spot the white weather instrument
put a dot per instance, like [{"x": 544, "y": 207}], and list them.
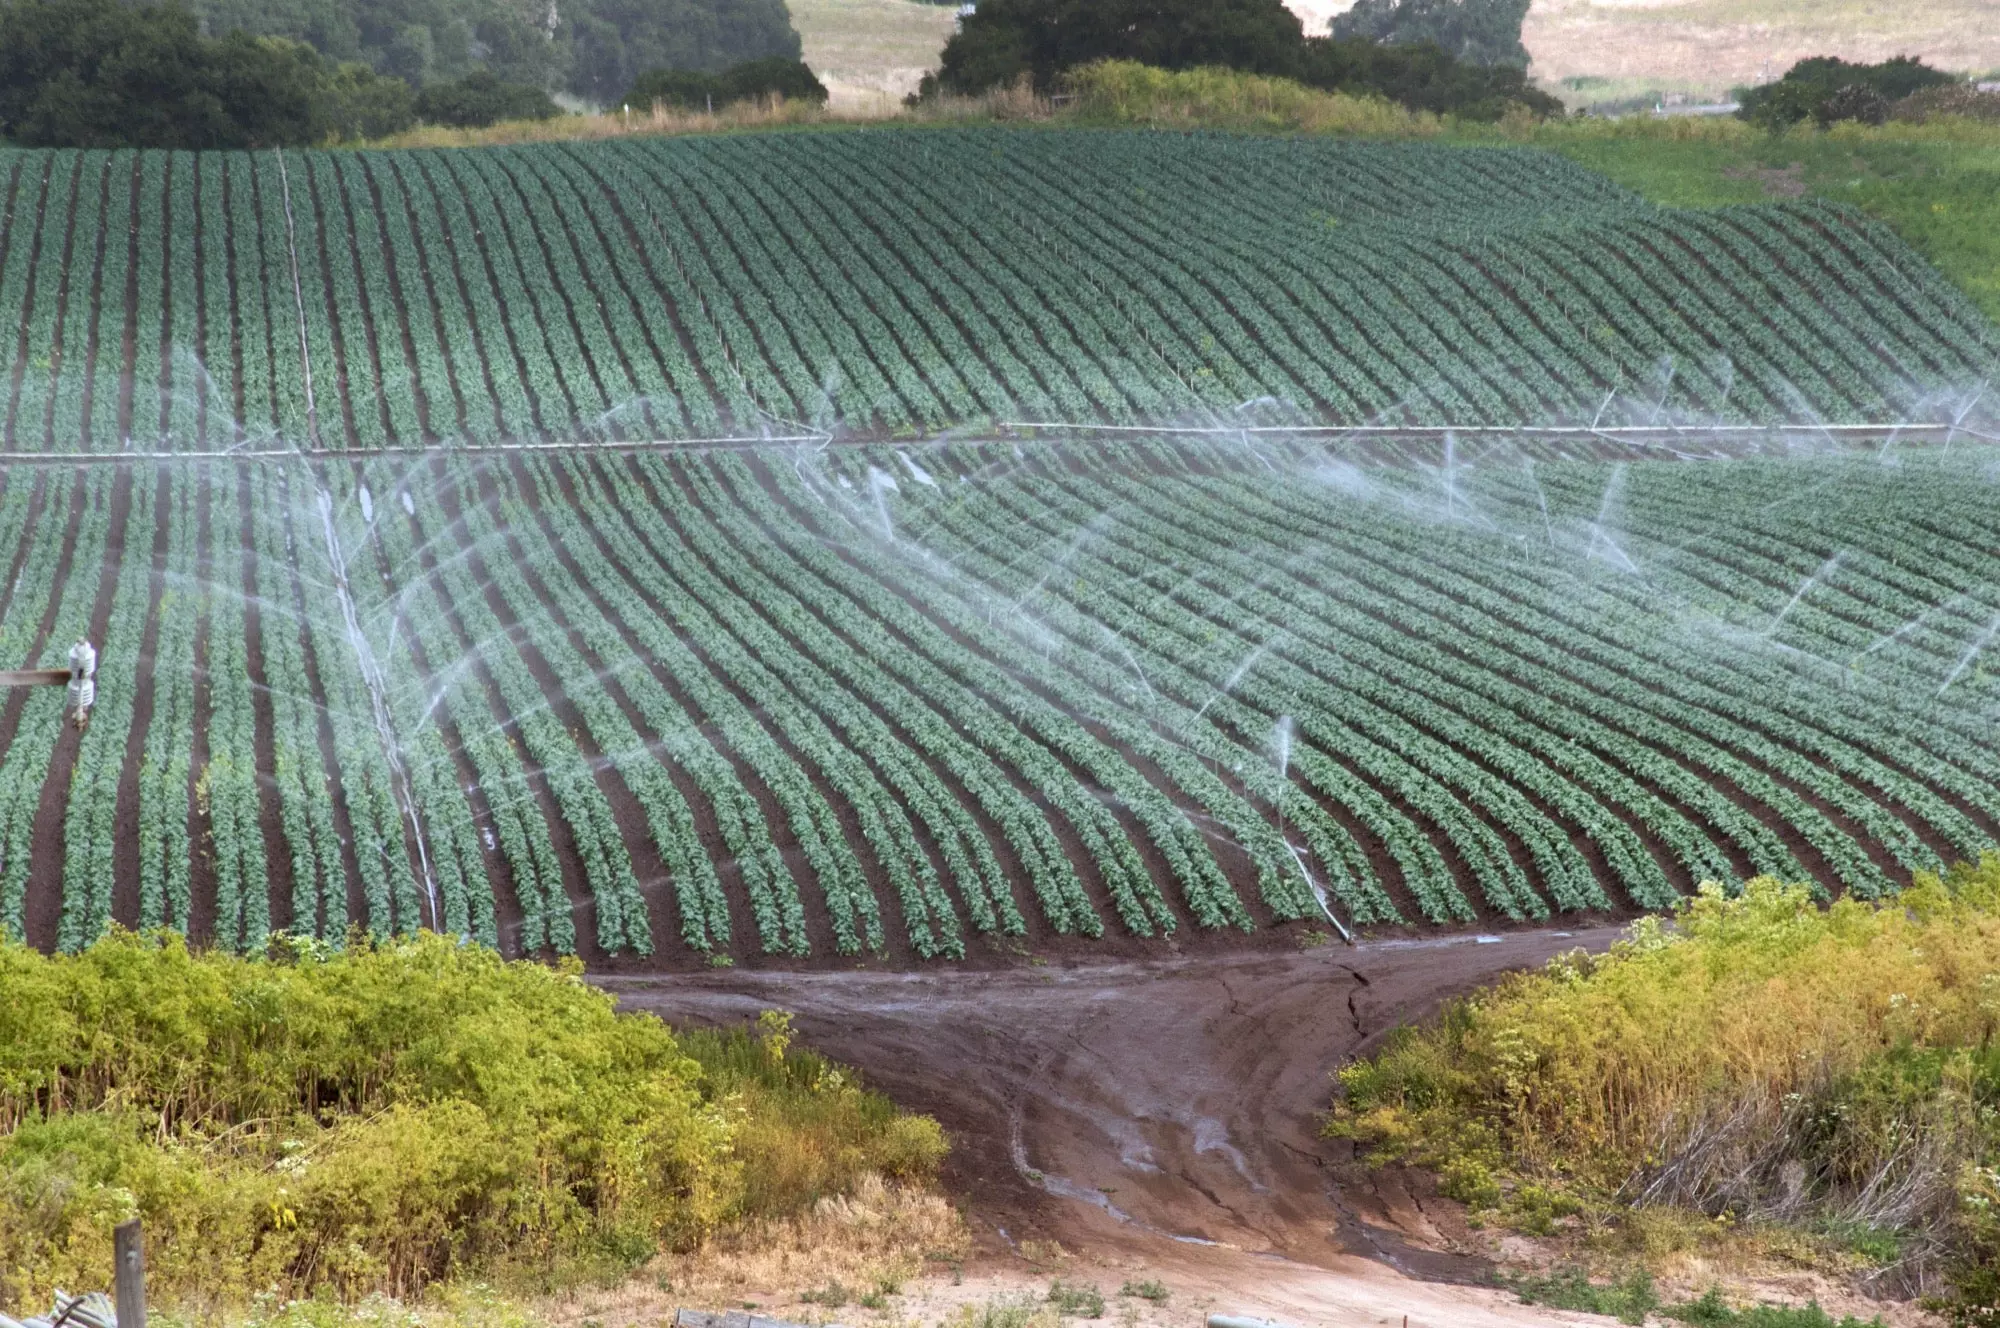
[{"x": 80, "y": 678}]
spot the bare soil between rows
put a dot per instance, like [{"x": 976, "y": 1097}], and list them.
[{"x": 1118, "y": 1105}]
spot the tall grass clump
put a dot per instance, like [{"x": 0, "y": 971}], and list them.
[
  {"x": 1831, "y": 1072},
  {"x": 1129, "y": 93},
  {"x": 376, "y": 1118}
]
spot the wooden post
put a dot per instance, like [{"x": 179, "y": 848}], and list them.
[{"x": 129, "y": 1274}]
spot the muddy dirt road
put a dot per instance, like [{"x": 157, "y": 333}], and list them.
[{"x": 1115, "y": 1106}]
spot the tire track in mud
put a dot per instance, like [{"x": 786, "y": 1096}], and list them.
[{"x": 1104, "y": 1104}]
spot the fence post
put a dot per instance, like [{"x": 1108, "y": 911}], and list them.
[{"x": 129, "y": 1274}]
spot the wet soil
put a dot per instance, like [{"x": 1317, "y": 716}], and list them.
[{"x": 1121, "y": 1104}]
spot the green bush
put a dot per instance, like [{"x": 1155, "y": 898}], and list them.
[
  {"x": 480, "y": 99},
  {"x": 380, "y": 1117},
  {"x": 1827, "y": 90},
  {"x": 691, "y": 90},
  {"x": 1076, "y": 1300}
]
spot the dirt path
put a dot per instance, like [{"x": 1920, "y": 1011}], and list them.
[{"x": 1157, "y": 1113}]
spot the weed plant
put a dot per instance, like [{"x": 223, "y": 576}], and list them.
[
  {"x": 375, "y": 1118},
  {"x": 1758, "y": 1061}
]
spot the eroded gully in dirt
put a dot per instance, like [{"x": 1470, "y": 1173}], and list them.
[{"x": 1120, "y": 1105}]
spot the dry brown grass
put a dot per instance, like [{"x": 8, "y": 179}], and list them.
[
  {"x": 870, "y": 53},
  {"x": 875, "y": 1239},
  {"x": 1709, "y": 46},
  {"x": 1008, "y": 104}
]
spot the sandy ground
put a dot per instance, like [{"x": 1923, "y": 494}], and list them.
[
  {"x": 1155, "y": 1120},
  {"x": 871, "y": 52}
]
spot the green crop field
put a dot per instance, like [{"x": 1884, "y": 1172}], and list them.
[
  {"x": 894, "y": 283},
  {"x": 917, "y": 685},
  {"x": 915, "y": 701}
]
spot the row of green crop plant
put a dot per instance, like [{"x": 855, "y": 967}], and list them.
[
  {"x": 867, "y": 699},
  {"x": 903, "y": 283}
]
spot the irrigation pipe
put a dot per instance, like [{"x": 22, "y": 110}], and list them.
[
  {"x": 1638, "y": 435},
  {"x": 366, "y": 453},
  {"x": 1530, "y": 430}
]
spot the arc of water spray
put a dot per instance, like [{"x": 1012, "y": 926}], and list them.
[
  {"x": 1914, "y": 623},
  {"x": 1984, "y": 640},
  {"x": 372, "y": 678},
  {"x": 1826, "y": 569},
  {"x": 1959, "y": 419},
  {"x": 1229, "y": 683},
  {"x": 1281, "y": 750}
]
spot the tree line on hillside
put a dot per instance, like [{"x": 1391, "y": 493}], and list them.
[
  {"x": 1462, "y": 57},
  {"x": 105, "y": 73},
  {"x": 590, "y": 49},
  {"x": 101, "y": 73}
]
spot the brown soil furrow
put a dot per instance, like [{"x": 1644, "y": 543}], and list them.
[
  {"x": 374, "y": 381},
  {"x": 72, "y": 519},
  {"x": 93, "y": 323},
  {"x": 145, "y": 684},
  {"x": 45, "y": 852},
  {"x": 1088, "y": 871},
  {"x": 311, "y": 647},
  {"x": 38, "y": 481},
  {"x": 59, "y": 350},
  {"x": 484, "y": 262},
  {"x": 315, "y": 268},
  {"x": 499, "y": 872},
  {"x": 742, "y": 922},
  {"x": 129, "y": 336},
  {"x": 18, "y": 372},
  {"x": 163, "y": 385},
  {"x": 278, "y": 861},
  {"x": 393, "y": 280},
  {"x": 575, "y": 888},
  {"x": 200, "y": 921},
  {"x": 238, "y": 279}
]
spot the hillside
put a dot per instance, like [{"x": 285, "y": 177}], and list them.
[
  {"x": 888, "y": 283},
  {"x": 861, "y": 690}
]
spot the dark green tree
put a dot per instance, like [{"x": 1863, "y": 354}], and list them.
[
  {"x": 97, "y": 73},
  {"x": 592, "y": 48},
  {"x": 1480, "y": 32},
  {"x": 1422, "y": 77},
  {"x": 481, "y": 99},
  {"x": 363, "y": 104},
  {"x": 1825, "y": 89},
  {"x": 1005, "y": 39},
  {"x": 693, "y": 91}
]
